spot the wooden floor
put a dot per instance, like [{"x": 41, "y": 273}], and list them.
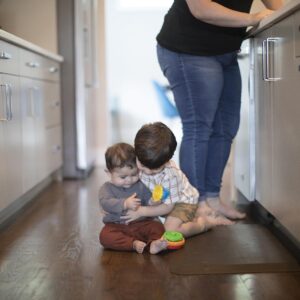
[{"x": 51, "y": 251}]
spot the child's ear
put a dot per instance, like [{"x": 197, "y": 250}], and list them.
[{"x": 107, "y": 172}]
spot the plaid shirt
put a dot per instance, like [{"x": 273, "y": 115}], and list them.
[{"x": 174, "y": 180}]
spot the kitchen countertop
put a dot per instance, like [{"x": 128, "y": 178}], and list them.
[
  {"x": 278, "y": 15},
  {"x": 8, "y": 37}
]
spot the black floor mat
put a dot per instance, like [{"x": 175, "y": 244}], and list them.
[{"x": 236, "y": 249}]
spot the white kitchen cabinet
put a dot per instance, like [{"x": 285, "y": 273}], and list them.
[
  {"x": 41, "y": 111},
  {"x": 286, "y": 126},
  {"x": 277, "y": 121},
  {"x": 52, "y": 104},
  {"x": 263, "y": 122},
  {"x": 10, "y": 139},
  {"x": 33, "y": 132},
  {"x": 30, "y": 124}
]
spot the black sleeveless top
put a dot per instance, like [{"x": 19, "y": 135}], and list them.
[{"x": 182, "y": 32}]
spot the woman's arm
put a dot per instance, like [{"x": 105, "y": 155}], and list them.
[
  {"x": 273, "y": 4},
  {"x": 217, "y": 14}
]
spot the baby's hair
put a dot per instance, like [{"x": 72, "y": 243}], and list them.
[
  {"x": 154, "y": 145},
  {"x": 120, "y": 155}
]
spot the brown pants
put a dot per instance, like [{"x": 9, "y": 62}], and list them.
[{"x": 121, "y": 236}]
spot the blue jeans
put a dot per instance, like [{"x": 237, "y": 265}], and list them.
[{"x": 207, "y": 92}]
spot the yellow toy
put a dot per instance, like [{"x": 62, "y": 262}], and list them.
[{"x": 159, "y": 193}]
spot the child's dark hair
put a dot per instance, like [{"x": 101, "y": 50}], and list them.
[
  {"x": 154, "y": 145},
  {"x": 120, "y": 155}
]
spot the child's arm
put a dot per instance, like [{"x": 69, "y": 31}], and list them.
[
  {"x": 148, "y": 211},
  {"x": 112, "y": 204}
]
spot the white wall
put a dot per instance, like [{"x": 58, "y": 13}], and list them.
[
  {"x": 32, "y": 20},
  {"x": 132, "y": 64}
]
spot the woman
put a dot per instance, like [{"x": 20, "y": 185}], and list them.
[{"x": 197, "y": 52}]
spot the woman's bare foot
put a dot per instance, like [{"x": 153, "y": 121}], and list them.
[
  {"x": 225, "y": 209},
  {"x": 218, "y": 220},
  {"x": 158, "y": 245},
  {"x": 205, "y": 210},
  {"x": 138, "y": 246},
  {"x": 213, "y": 221}
]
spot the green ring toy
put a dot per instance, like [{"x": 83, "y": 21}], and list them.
[{"x": 175, "y": 239}]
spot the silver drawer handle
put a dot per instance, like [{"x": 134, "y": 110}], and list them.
[
  {"x": 32, "y": 64},
  {"x": 266, "y": 44},
  {"x": 8, "y": 104},
  {"x": 53, "y": 69},
  {"x": 5, "y": 55}
]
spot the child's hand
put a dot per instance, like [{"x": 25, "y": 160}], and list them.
[
  {"x": 132, "y": 202},
  {"x": 132, "y": 215}
]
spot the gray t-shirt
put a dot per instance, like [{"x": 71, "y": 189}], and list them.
[{"x": 111, "y": 199}]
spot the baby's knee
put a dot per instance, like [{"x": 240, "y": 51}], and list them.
[{"x": 104, "y": 238}]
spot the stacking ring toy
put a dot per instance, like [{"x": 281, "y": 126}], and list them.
[
  {"x": 175, "y": 239},
  {"x": 159, "y": 193}
]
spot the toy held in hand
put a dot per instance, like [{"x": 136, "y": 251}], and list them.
[
  {"x": 175, "y": 239},
  {"x": 159, "y": 193}
]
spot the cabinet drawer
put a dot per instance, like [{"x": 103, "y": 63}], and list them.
[
  {"x": 9, "y": 58},
  {"x": 297, "y": 33},
  {"x": 54, "y": 149},
  {"x": 30, "y": 64},
  {"x": 52, "y": 104},
  {"x": 36, "y": 66}
]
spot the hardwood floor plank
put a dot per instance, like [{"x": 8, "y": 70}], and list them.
[{"x": 51, "y": 251}]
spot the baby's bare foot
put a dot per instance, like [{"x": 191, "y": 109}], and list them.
[
  {"x": 158, "y": 245},
  {"x": 138, "y": 246},
  {"x": 225, "y": 209}
]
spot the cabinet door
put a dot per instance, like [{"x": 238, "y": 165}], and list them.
[
  {"x": 286, "y": 128},
  {"x": 263, "y": 122},
  {"x": 54, "y": 149},
  {"x": 52, "y": 104},
  {"x": 3, "y": 119},
  {"x": 33, "y": 136},
  {"x": 11, "y": 137}
]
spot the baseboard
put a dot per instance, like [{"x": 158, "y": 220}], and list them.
[
  {"x": 8, "y": 214},
  {"x": 264, "y": 217}
]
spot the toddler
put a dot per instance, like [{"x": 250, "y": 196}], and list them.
[
  {"x": 155, "y": 145},
  {"x": 123, "y": 193}
]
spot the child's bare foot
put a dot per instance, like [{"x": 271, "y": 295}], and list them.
[
  {"x": 158, "y": 245},
  {"x": 204, "y": 209},
  {"x": 138, "y": 246},
  {"x": 225, "y": 209}
]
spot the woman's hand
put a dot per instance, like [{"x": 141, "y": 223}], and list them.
[
  {"x": 214, "y": 13},
  {"x": 257, "y": 17}
]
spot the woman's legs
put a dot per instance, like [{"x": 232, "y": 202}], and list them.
[
  {"x": 225, "y": 125},
  {"x": 207, "y": 92},
  {"x": 197, "y": 84}
]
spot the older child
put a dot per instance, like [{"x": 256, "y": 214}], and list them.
[
  {"x": 125, "y": 192},
  {"x": 155, "y": 145}
]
